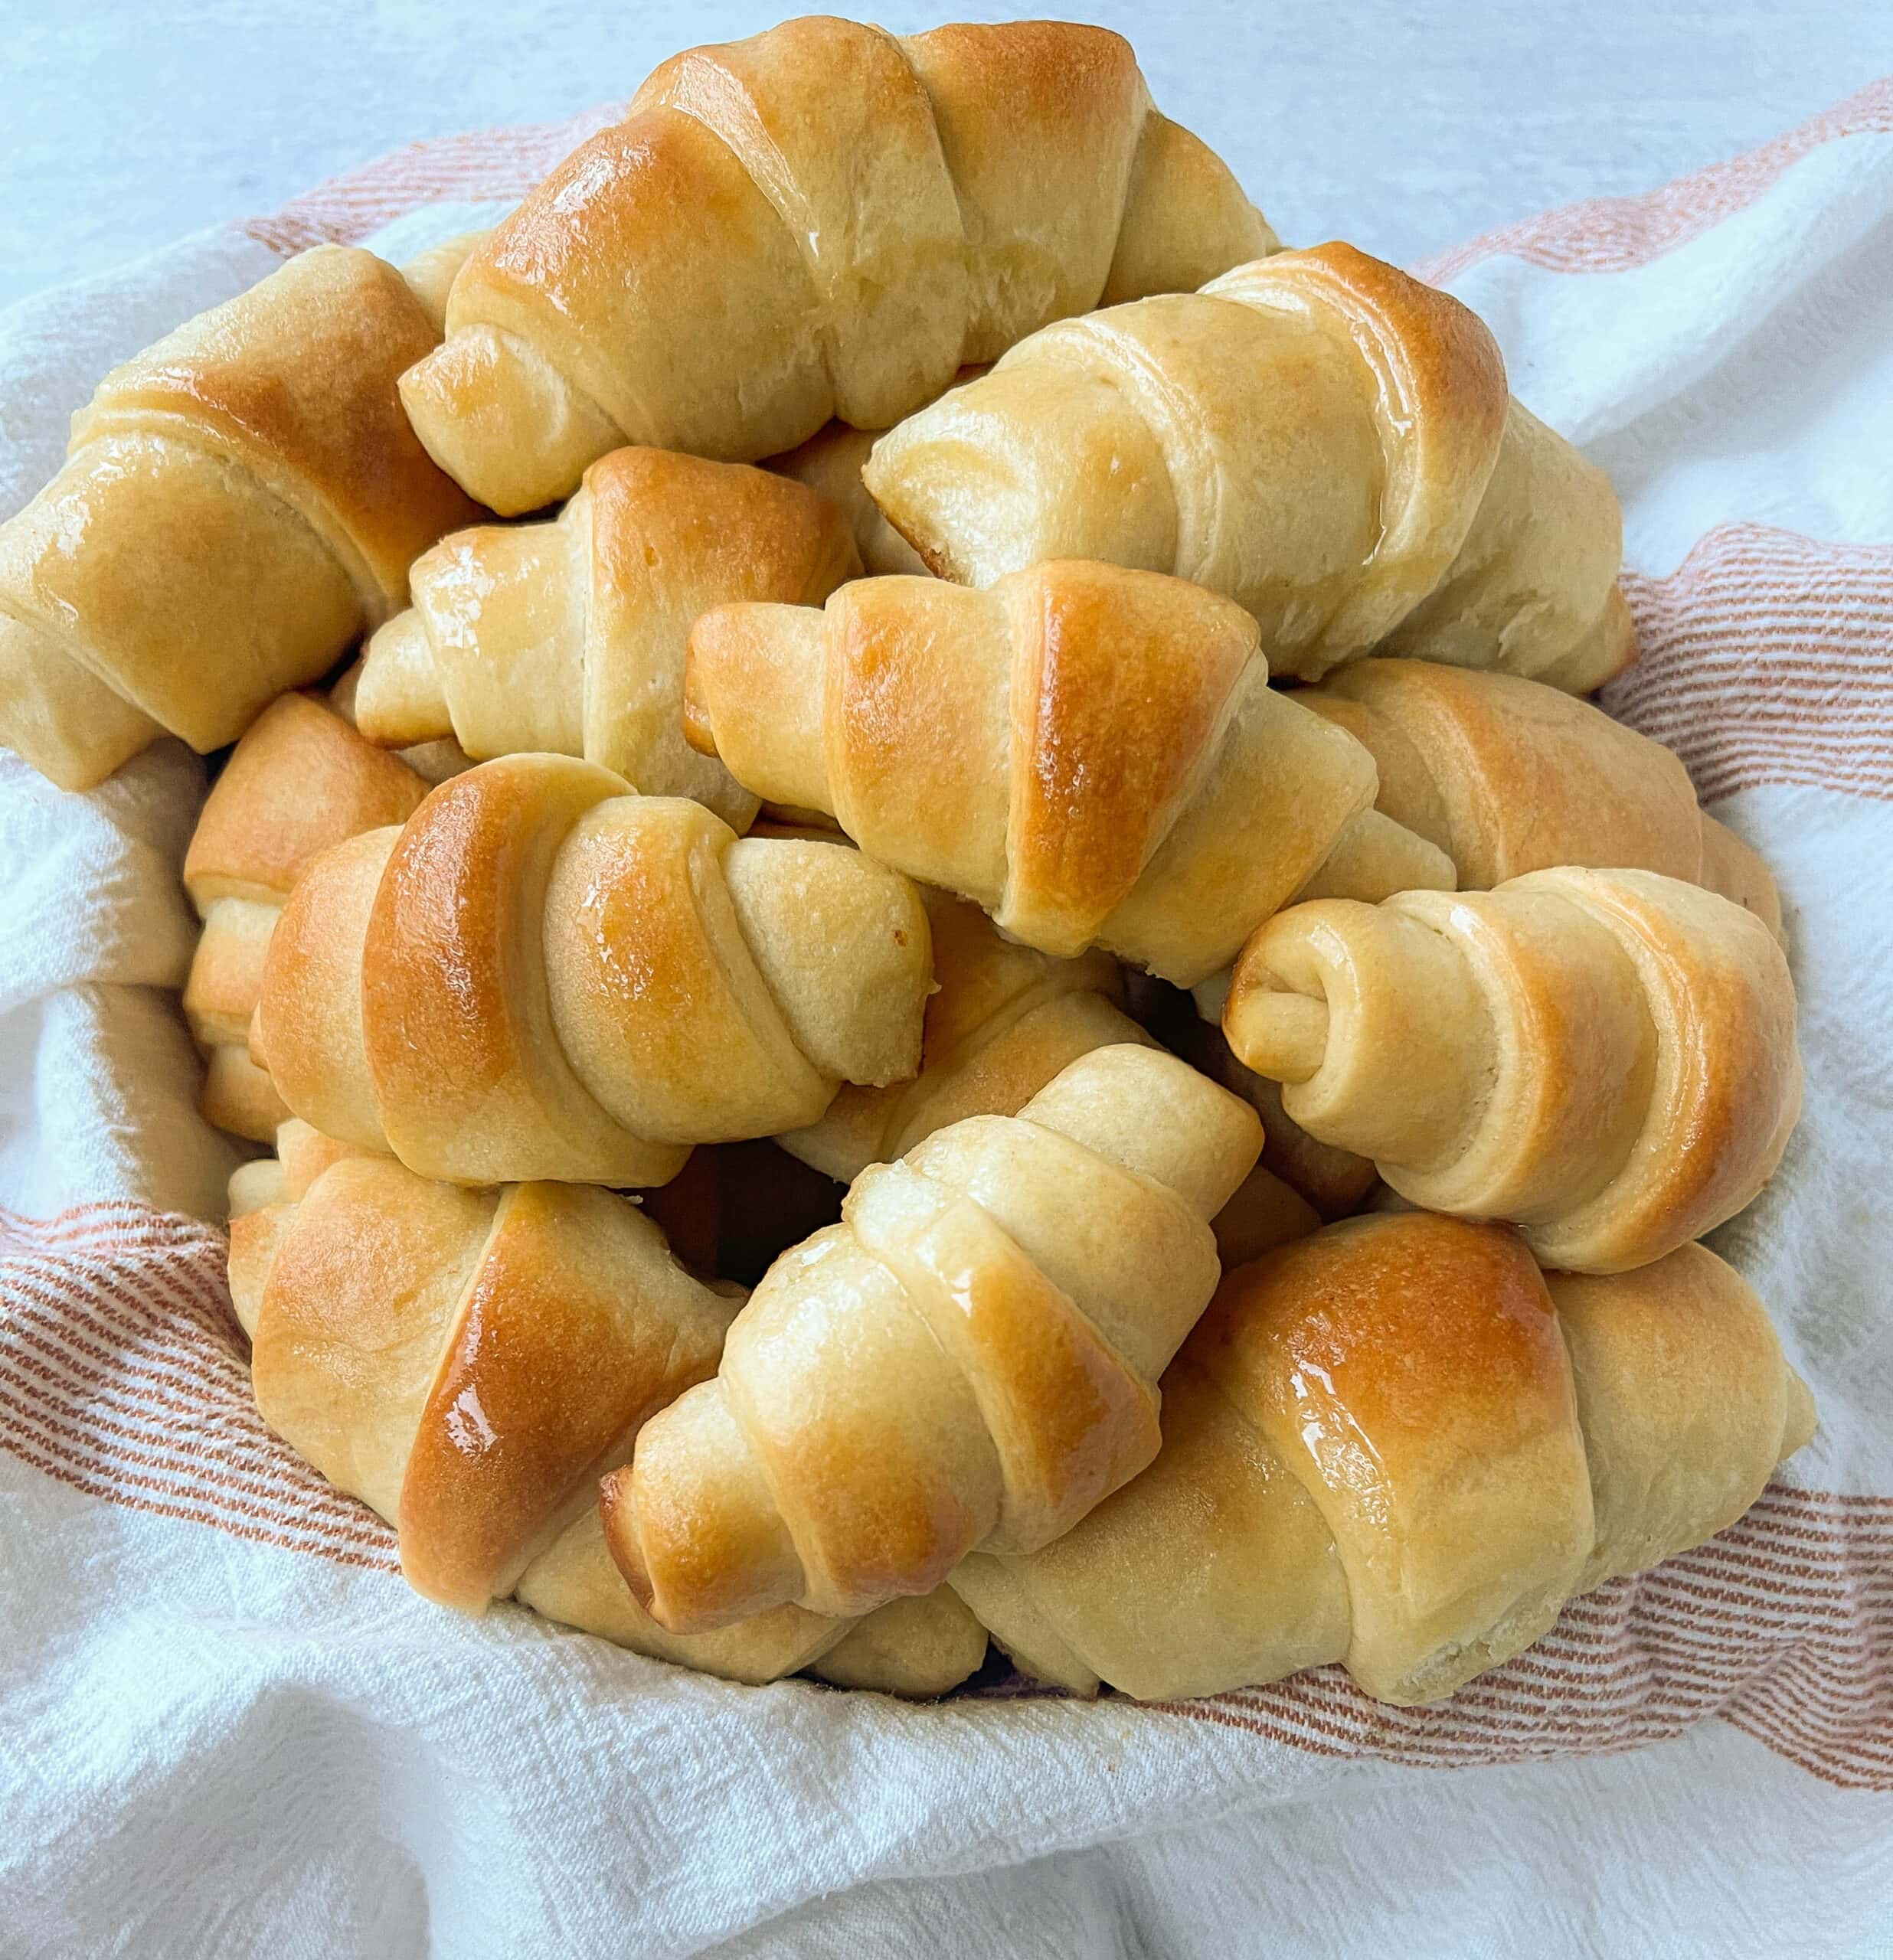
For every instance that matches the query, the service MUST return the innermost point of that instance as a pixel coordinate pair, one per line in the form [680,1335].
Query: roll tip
[511,429]
[1276,1033]
[617,1512]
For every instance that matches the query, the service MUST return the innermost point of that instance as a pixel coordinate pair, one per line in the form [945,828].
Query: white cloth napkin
[226,1727]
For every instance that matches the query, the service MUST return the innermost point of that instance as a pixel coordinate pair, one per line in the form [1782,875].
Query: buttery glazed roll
[1325,440]
[1507,776]
[1606,1058]
[569,637]
[238,502]
[822,220]
[1002,1020]
[382,1309]
[1093,755]
[543,973]
[1390,1446]
[969,1358]
[300,780]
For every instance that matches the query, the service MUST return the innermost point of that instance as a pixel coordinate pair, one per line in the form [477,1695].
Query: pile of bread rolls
[849,1070]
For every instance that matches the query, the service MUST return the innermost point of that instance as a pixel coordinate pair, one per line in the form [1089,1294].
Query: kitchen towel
[226,1725]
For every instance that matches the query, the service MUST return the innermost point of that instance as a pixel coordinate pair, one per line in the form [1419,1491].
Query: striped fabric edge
[1783,1625]
[1766,657]
[123,1375]
[1619,234]
[473,167]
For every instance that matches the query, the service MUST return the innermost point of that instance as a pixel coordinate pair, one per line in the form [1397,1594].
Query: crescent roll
[1093,755]
[1398,1445]
[1606,1058]
[969,1358]
[237,504]
[825,220]
[1325,440]
[569,636]
[542,972]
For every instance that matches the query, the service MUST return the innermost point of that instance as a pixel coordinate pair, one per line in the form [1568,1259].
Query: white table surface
[125,123]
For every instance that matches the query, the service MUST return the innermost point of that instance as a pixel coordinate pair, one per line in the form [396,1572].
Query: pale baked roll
[1325,440]
[238,502]
[569,636]
[822,220]
[544,974]
[969,1358]
[1390,1446]
[1606,1058]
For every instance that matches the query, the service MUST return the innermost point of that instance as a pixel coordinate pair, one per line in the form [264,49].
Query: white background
[125,123]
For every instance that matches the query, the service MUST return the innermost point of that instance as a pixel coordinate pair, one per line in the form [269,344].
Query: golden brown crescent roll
[300,780]
[1322,438]
[238,502]
[1606,1058]
[467,1363]
[1507,776]
[568,637]
[543,972]
[970,1358]
[1001,1021]
[1093,755]
[823,220]
[1396,1445]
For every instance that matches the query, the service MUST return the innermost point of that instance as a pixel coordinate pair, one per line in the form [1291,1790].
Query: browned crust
[746,534]
[1719,971]
[1394,1320]
[549,1365]
[300,780]
[1440,354]
[1036,71]
[299,374]
[452,979]
[1118,686]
